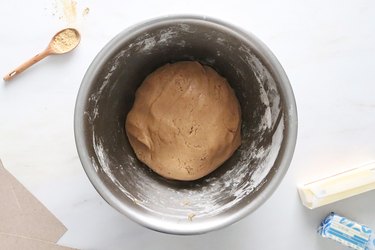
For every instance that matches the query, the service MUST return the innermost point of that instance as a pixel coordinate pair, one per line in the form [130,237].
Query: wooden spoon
[62,42]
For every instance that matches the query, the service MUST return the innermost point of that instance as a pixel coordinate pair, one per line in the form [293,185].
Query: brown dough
[185,122]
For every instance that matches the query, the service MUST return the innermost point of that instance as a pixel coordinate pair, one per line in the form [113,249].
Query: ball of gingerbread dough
[185,121]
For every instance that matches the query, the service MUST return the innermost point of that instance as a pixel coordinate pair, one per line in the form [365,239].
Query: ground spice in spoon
[65,41]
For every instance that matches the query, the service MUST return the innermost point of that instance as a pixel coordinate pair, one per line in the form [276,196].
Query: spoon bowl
[64,41]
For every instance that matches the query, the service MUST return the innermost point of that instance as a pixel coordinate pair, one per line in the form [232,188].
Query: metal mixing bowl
[241,184]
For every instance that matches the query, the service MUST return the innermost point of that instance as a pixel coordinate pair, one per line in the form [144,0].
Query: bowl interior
[107,95]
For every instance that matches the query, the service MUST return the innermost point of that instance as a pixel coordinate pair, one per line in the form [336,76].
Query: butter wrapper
[338,187]
[347,232]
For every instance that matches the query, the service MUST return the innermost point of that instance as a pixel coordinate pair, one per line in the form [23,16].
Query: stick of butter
[338,187]
[347,232]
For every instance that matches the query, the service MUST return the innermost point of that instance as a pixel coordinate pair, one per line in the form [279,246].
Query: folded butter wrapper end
[347,232]
[338,187]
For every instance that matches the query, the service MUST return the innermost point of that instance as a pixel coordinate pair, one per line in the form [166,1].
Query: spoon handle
[26,64]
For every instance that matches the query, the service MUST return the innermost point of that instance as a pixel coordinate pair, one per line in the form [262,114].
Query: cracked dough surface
[185,121]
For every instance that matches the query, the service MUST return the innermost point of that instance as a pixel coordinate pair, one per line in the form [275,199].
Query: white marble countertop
[327,49]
